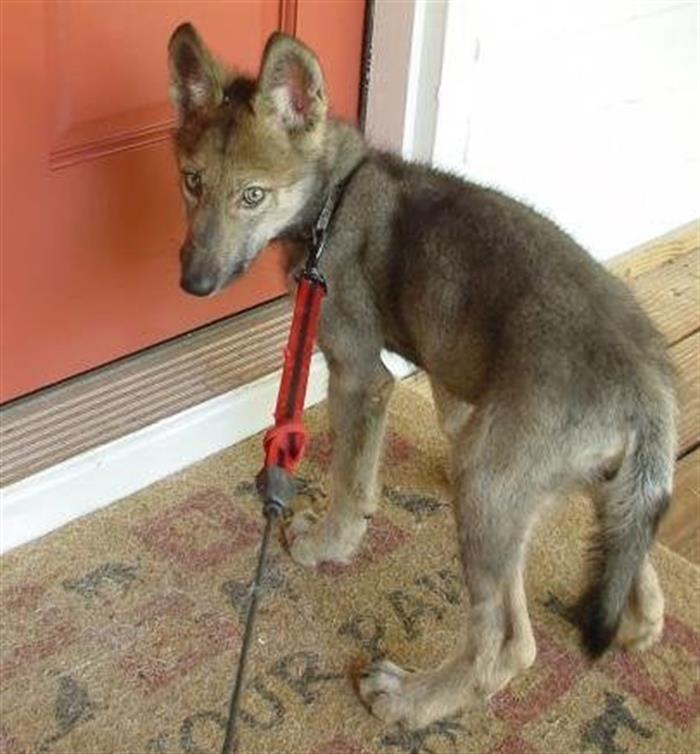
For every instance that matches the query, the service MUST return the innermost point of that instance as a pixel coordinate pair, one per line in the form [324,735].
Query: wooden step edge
[191,365]
[655,253]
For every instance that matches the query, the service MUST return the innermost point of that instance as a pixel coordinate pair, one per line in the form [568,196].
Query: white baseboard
[40,503]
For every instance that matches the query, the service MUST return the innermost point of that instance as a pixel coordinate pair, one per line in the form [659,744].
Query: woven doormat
[121,631]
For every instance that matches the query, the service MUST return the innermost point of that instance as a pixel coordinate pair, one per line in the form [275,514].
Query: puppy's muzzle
[196,277]
[198,284]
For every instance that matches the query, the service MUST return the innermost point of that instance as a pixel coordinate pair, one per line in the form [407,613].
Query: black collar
[319,232]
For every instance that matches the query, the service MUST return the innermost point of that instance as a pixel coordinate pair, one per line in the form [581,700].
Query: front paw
[383,689]
[314,542]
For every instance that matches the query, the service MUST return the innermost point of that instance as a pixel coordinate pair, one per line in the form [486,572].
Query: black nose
[198,285]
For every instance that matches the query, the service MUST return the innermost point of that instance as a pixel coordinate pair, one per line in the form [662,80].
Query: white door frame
[403,105]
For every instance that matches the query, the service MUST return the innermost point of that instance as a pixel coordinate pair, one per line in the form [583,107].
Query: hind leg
[494,513]
[642,619]
[452,412]
[452,415]
[625,604]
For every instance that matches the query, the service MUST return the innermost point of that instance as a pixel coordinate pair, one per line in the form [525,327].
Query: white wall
[587,109]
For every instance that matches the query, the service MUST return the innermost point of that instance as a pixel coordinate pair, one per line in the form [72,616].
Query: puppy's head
[246,150]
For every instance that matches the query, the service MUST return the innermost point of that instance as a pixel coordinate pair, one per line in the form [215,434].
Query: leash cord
[229,740]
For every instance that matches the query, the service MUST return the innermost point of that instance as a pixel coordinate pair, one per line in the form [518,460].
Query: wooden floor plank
[630,265]
[680,529]
[686,358]
[671,295]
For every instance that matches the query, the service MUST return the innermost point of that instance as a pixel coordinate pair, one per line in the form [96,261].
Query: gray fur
[568,382]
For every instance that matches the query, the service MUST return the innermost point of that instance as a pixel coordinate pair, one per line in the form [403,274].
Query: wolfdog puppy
[546,374]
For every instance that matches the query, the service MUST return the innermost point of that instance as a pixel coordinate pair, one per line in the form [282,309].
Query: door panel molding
[76,139]
[75,147]
[288,16]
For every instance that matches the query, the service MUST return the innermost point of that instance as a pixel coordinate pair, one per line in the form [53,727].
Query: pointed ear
[291,86]
[196,79]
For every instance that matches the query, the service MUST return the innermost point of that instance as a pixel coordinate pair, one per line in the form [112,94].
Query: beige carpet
[121,631]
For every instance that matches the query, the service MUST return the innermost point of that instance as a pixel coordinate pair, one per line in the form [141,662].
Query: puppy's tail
[630,508]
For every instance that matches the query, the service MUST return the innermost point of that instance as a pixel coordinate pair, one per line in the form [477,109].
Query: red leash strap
[284,443]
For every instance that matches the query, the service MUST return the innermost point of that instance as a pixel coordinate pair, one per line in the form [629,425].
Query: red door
[90,206]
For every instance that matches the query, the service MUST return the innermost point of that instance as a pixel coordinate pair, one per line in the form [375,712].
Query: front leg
[358,393]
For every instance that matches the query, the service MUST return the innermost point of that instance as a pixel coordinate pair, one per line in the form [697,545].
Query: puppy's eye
[193,182]
[253,195]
